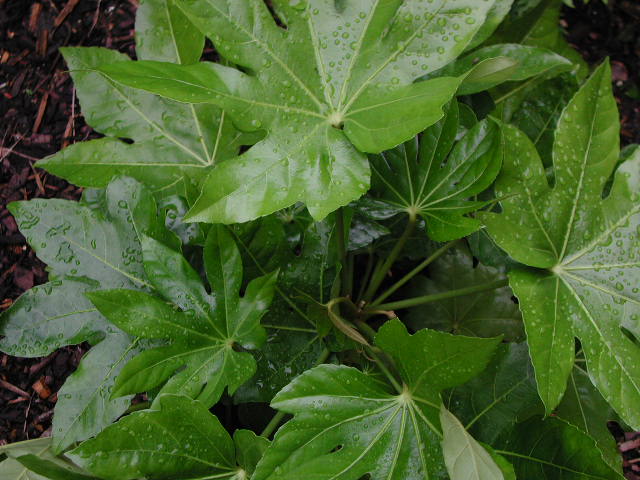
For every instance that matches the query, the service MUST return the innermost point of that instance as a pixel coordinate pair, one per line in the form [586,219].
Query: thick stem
[379,273]
[279,416]
[424,264]
[413,302]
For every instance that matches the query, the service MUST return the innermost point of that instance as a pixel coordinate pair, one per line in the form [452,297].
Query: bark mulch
[40,115]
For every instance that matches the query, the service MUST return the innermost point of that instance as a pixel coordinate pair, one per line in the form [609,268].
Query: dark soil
[41,115]
[599,31]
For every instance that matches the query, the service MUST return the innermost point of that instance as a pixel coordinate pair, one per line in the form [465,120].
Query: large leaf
[338,79]
[174,145]
[505,393]
[465,458]
[554,450]
[484,314]
[203,329]
[348,424]
[582,249]
[178,439]
[435,177]
[104,249]
[295,340]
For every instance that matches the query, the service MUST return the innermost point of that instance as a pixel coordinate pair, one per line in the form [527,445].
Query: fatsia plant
[436,276]
[333,80]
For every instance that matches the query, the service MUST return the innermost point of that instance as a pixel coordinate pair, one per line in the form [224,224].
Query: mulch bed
[41,115]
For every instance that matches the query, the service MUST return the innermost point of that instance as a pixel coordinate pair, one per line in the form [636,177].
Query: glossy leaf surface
[335,65]
[435,177]
[582,247]
[104,249]
[202,329]
[178,439]
[347,423]
[524,63]
[174,145]
[294,340]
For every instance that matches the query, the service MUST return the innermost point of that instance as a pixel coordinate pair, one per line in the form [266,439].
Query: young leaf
[103,248]
[435,178]
[582,247]
[524,62]
[178,439]
[203,329]
[174,144]
[539,27]
[345,84]
[465,458]
[348,424]
[553,449]
[485,314]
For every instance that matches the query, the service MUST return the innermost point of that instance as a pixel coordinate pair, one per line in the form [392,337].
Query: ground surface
[41,115]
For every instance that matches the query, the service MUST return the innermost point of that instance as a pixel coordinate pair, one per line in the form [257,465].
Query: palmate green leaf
[336,82]
[347,423]
[177,439]
[174,145]
[582,249]
[485,314]
[295,340]
[203,329]
[501,396]
[85,249]
[434,177]
[465,458]
[552,449]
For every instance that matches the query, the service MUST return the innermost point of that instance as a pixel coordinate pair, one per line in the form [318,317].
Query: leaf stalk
[414,302]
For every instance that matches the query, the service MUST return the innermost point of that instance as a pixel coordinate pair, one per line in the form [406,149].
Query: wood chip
[62,16]
[36,8]
[13,388]
[630,445]
[41,109]
[43,42]
[42,389]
